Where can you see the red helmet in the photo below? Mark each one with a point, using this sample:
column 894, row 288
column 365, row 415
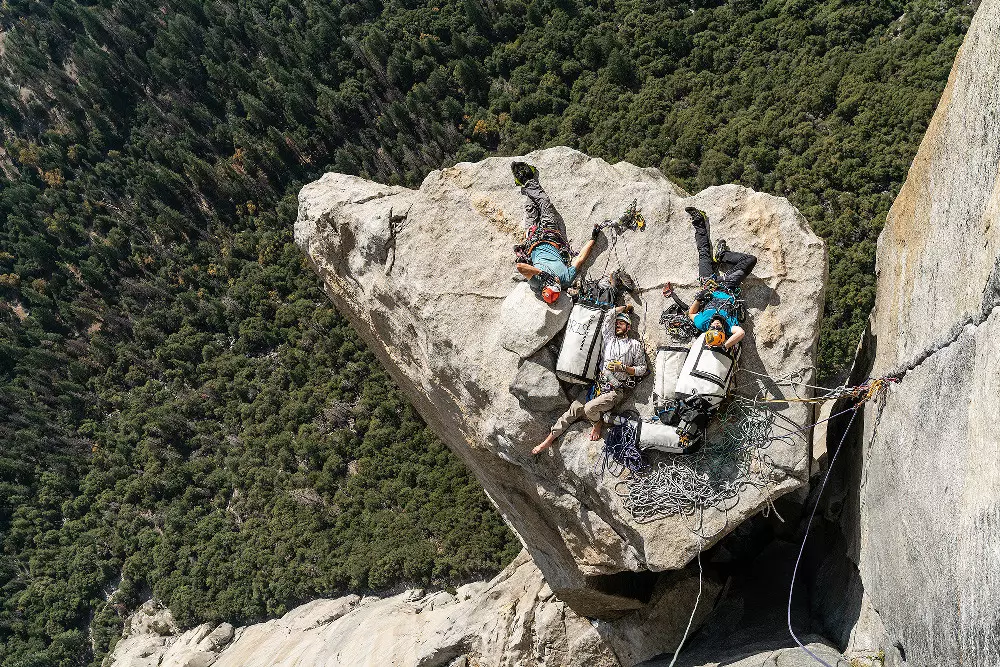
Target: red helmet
column 550, row 293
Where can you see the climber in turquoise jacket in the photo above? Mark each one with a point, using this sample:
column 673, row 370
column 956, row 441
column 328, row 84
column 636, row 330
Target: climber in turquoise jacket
column 715, row 309
column 544, row 256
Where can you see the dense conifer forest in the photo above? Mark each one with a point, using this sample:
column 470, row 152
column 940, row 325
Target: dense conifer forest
column 182, row 413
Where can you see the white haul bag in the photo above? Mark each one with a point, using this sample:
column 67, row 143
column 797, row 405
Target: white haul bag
column 667, row 370
column 707, row 372
column 581, row 347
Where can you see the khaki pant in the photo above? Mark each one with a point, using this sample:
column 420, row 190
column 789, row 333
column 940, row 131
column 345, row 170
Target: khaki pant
column 592, row 410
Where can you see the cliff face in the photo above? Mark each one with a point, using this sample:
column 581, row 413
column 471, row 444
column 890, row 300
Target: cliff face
column 929, row 502
column 512, row 620
column 425, row 277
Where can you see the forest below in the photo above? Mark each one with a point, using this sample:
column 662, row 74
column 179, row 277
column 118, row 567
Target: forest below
column 183, row 414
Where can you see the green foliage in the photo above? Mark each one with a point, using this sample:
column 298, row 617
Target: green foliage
column 183, row 415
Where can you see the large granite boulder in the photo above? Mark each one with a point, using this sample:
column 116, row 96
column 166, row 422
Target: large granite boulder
column 425, row 277
column 928, row 508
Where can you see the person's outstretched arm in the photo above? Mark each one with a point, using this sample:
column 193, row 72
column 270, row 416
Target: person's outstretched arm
column 527, row 270
column 668, row 290
column 696, row 305
column 735, row 336
column 588, row 247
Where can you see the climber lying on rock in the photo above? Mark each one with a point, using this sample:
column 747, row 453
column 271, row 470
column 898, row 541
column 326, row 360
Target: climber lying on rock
column 622, row 361
column 544, row 257
column 715, row 309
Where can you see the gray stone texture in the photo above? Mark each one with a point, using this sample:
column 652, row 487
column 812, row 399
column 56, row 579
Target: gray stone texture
column 536, row 387
column 928, row 464
column 513, row 620
column 938, row 250
column 424, row 277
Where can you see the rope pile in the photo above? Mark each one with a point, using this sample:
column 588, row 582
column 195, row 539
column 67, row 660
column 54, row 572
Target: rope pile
column 677, row 323
column 715, row 475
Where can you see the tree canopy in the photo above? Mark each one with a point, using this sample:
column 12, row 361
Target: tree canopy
column 183, row 413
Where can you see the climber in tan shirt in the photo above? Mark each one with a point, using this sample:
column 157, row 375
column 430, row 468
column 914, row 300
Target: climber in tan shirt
column 623, row 359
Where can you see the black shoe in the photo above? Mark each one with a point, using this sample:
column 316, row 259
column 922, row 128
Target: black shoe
column 698, row 217
column 721, row 248
column 523, row 172
column 596, row 234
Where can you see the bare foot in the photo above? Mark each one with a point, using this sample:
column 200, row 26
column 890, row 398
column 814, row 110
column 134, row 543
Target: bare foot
column 527, row 270
column 595, row 433
column 544, row 445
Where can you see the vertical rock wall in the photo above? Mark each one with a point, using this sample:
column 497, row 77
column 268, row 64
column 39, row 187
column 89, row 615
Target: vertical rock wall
column 928, row 544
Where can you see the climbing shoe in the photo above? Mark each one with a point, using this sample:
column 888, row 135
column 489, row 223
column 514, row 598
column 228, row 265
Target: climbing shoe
column 523, row 172
column 596, row 234
column 721, row 248
column 698, row 217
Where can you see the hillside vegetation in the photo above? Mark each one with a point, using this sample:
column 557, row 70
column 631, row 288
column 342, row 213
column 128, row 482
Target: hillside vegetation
column 182, row 413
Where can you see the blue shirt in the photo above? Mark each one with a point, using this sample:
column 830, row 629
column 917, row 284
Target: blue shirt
column 722, row 303
column 546, row 257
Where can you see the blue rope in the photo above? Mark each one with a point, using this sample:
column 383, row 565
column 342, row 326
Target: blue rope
column 621, row 447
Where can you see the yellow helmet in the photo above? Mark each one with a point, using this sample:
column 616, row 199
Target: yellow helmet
column 714, row 337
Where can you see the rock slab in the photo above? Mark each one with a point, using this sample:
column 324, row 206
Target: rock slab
column 513, row 620
column 424, row 277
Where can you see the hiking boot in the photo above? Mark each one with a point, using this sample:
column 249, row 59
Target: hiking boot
column 721, row 248
column 698, row 217
column 523, row 172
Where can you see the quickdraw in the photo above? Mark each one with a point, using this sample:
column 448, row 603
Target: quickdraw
column 631, row 219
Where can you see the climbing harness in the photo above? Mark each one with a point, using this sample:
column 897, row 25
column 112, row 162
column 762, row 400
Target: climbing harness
column 538, row 234
column 608, row 382
column 732, row 303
